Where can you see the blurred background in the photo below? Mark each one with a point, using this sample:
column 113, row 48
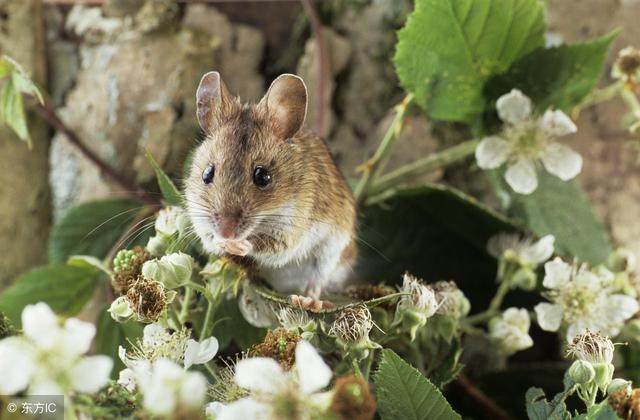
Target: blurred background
column 122, row 76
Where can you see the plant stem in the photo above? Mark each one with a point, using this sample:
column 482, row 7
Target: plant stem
column 369, row 167
column 632, row 102
column 200, row 289
column 50, row 116
column 435, row 161
column 184, row 310
column 597, row 96
column 483, row 402
column 206, row 325
column 494, row 305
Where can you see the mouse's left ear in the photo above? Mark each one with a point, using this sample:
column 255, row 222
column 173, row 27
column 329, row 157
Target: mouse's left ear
column 286, row 105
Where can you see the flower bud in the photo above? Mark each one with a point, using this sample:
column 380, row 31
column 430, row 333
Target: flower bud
column 581, row 372
column 604, row 375
column 157, row 245
column 121, row 309
column 622, row 260
column 525, row 278
column 619, row 384
column 173, row 270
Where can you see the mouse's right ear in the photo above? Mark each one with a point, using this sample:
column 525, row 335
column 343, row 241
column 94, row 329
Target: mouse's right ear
column 212, row 98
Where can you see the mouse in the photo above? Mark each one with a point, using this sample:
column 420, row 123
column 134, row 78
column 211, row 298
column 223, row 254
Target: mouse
column 265, row 189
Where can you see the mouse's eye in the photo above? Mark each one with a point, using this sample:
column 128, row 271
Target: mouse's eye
column 261, row 177
column 207, row 175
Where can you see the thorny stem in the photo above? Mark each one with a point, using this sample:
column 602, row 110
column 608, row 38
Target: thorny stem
column 49, row 115
column 369, row 167
column 323, row 64
column 435, row 161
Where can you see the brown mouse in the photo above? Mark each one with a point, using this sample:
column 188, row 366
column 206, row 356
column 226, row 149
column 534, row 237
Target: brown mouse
column 264, row 187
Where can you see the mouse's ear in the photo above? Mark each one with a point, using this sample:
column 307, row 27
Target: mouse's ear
column 286, row 105
column 212, row 98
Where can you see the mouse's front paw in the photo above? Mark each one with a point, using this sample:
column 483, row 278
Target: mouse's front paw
column 239, row 248
column 310, row 304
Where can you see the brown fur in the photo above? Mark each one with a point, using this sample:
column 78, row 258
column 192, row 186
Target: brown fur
column 240, row 137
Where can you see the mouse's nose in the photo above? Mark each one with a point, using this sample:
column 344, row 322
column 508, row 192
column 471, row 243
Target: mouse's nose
column 227, row 225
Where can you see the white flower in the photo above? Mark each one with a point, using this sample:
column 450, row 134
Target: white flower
column 527, row 140
column 158, row 343
column 511, row 330
column 582, row 300
column 166, row 387
column 268, row 382
column 213, row 409
column 524, row 250
column 198, row 353
column 48, row 358
column 171, row 220
column 127, row 380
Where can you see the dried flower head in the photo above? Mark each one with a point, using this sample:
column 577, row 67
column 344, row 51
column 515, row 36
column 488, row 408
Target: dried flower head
column 627, row 64
column 451, row 300
column 627, row 405
column 147, row 298
column 279, row 344
column 591, row 347
column 353, row 399
column 419, row 296
column 352, row 324
column 127, row 267
column 293, row 319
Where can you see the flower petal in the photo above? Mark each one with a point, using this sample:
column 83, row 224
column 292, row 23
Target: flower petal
column 245, row 408
column 540, row 251
column 16, row 365
column 562, row 161
column 199, row 353
column 40, row 325
column 556, row 274
column 153, row 334
column 557, row 123
column 91, row 374
column 213, row 409
column 193, row 390
column 127, row 379
column 513, row 107
column 77, row 336
column 549, row 316
column 621, row 307
column 260, row 374
column 521, row 176
column 313, row 372
column 492, row 152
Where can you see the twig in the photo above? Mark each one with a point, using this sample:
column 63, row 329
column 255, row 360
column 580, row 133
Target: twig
column 323, row 64
column 369, row 167
column 483, row 402
column 50, row 116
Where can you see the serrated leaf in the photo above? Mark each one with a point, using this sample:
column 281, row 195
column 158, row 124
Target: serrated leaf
column 558, row 77
column 111, row 334
column 538, row 408
column 66, row 289
column 170, row 192
column 404, row 393
column 93, row 228
column 450, row 48
column 563, row 210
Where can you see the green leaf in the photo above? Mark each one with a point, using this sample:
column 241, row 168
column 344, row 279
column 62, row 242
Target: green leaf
column 93, row 228
column 450, row 48
column 434, row 232
column 15, row 83
column 538, row 408
column 558, row 77
column 111, row 334
column 230, row 325
column 563, row 210
column 66, row 289
column 169, row 191
column 404, row 393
